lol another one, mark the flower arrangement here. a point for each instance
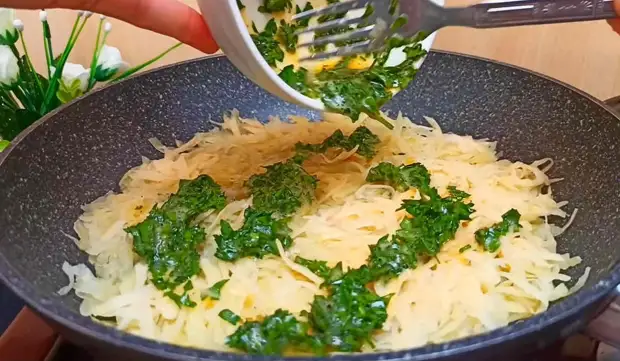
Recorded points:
(26, 96)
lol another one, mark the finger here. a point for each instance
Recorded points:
(615, 23)
(168, 17)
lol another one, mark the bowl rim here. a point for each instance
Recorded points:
(572, 306)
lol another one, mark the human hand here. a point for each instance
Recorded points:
(615, 23)
(167, 17)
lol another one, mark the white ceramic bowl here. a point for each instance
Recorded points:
(231, 34)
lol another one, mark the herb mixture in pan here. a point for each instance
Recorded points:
(314, 238)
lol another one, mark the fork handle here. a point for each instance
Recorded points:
(532, 12)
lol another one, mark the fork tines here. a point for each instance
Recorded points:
(353, 38)
(333, 9)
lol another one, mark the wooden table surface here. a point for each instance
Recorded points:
(585, 55)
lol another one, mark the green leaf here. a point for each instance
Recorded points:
(457, 194)
(286, 35)
(168, 240)
(4, 144)
(303, 23)
(399, 22)
(182, 299)
(104, 74)
(490, 238)
(282, 189)
(240, 5)
(273, 6)
(393, 6)
(13, 122)
(214, 292)
(346, 319)
(28, 82)
(362, 138)
(274, 335)
(401, 178)
(25, 117)
(390, 257)
(435, 221)
(465, 248)
(9, 38)
(193, 198)
(256, 238)
(229, 316)
(9, 126)
(398, 76)
(298, 80)
(267, 45)
(271, 27)
(319, 268)
(67, 93)
(354, 96)
(105, 318)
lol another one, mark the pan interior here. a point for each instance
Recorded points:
(83, 150)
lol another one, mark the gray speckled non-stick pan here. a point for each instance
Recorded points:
(80, 152)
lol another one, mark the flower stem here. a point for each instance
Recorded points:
(73, 30)
(96, 53)
(47, 44)
(136, 69)
(34, 72)
(55, 79)
(47, 60)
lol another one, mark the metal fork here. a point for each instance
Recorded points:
(402, 19)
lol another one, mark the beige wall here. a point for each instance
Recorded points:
(584, 55)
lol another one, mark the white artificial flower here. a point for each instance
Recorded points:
(109, 63)
(107, 27)
(8, 33)
(111, 58)
(72, 72)
(18, 25)
(43, 15)
(9, 69)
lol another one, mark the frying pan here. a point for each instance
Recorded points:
(80, 152)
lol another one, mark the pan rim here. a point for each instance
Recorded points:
(87, 327)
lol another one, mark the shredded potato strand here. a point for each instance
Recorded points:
(455, 295)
